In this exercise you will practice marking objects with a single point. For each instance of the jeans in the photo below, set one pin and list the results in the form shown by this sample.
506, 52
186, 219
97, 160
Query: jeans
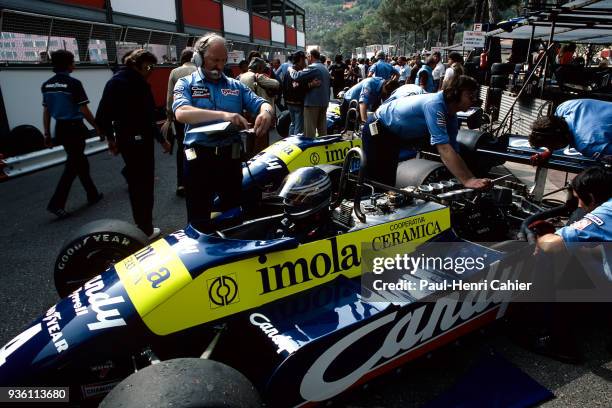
297, 119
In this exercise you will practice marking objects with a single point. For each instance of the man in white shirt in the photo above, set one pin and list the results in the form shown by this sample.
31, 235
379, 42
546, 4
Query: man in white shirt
439, 70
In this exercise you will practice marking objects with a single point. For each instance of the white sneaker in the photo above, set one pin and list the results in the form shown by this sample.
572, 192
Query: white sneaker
156, 233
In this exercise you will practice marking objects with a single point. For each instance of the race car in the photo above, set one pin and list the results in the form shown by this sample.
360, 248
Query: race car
241, 318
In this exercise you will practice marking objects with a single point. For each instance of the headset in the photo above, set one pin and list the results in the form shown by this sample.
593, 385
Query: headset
197, 59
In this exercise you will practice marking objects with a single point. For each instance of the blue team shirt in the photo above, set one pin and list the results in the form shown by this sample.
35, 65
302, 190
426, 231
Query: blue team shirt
382, 69
595, 227
227, 95
590, 122
282, 70
419, 115
368, 91
429, 85
403, 72
405, 90
63, 96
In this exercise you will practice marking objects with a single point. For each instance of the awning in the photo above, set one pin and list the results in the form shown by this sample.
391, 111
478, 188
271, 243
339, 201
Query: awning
581, 21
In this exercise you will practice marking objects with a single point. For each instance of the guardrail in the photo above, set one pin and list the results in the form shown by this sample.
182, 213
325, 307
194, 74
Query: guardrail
15, 166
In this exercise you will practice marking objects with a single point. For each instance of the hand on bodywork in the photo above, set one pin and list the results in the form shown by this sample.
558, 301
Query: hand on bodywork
459, 169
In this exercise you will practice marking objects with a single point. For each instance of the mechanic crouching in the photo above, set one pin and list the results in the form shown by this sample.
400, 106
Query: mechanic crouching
593, 190
409, 121
212, 162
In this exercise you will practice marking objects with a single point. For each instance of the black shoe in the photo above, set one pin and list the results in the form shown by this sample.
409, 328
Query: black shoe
180, 191
95, 199
58, 212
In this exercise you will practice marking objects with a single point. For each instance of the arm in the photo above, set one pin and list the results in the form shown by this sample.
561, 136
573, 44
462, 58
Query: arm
264, 119
459, 169
551, 243
267, 83
305, 74
423, 80
170, 98
191, 115
90, 118
47, 126
363, 111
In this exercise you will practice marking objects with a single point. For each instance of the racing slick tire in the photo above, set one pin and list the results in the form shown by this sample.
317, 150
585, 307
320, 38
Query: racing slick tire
184, 382
500, 68
92, 249
420, 171
499, 81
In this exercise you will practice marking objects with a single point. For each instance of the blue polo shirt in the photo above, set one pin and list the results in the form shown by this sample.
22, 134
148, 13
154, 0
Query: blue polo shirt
594, 227
419, 115
227, 95
403, 72
382, 69
590, 122
405, 90
429, 85
367, 91
63, 96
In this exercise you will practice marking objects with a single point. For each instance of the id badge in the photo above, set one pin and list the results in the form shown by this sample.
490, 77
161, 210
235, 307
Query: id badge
373, 128
190, 154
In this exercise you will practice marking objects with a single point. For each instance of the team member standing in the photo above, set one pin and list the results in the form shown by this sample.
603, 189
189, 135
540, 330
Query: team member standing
213, 162
336, 71
585, 124
317, 98
65, 100
438, 71
186, 68
382, 68
126, 115
424, 77
410, 120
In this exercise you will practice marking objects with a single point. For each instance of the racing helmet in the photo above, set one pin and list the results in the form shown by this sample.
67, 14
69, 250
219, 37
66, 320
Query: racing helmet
306, 191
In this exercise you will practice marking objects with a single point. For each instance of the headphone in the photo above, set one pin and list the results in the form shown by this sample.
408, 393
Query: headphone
197, 59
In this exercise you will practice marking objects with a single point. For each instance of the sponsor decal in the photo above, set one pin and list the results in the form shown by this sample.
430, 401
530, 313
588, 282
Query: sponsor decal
185, 245
95, 389
581, 224
198, 92
77, 246
411, 230
329, 260
227, 91
223, 291
152, 276
404, 331
56, 85
315, 158
595, 219
283, 342
337, 152
101, 304
51, 319
79, 309
102, 370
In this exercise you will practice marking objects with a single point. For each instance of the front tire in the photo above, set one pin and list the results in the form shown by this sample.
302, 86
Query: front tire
92, 249
184, 382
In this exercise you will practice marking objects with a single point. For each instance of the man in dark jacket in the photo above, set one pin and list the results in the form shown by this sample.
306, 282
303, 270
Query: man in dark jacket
126, 114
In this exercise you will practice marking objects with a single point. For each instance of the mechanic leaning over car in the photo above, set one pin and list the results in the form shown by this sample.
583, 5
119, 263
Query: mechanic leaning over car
65, 100
306, 197
370, 93
585, 124
213, 163
410, 120
404, 91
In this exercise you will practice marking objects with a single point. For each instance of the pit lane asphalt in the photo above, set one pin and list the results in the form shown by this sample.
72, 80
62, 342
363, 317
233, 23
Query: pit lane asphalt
30, 239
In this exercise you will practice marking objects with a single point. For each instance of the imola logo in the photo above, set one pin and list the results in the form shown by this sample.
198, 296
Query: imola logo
407, 333
336, 155
321, 264
409, 234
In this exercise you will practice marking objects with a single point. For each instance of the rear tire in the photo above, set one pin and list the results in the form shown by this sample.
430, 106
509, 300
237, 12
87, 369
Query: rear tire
92, 249
505, 68
184, 382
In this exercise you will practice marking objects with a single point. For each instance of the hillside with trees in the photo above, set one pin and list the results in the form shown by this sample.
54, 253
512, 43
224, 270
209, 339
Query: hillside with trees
341, 26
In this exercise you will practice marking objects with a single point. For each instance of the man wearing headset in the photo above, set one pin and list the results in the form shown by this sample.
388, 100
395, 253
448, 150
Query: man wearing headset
213, 162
